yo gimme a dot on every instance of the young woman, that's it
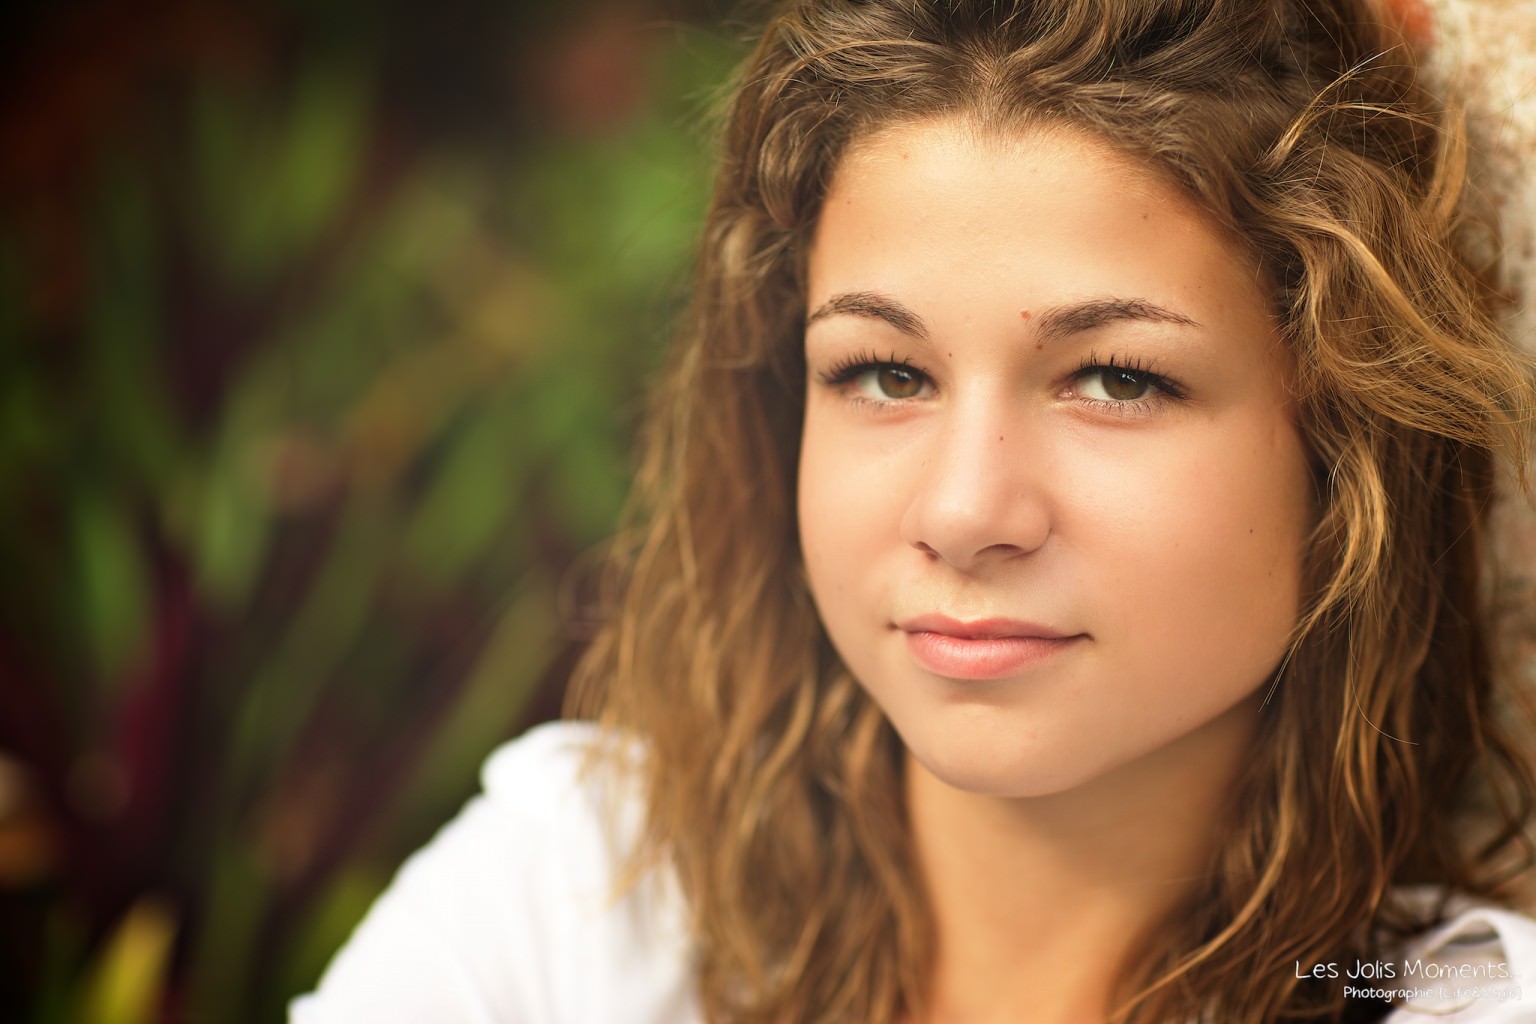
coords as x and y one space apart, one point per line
1058 588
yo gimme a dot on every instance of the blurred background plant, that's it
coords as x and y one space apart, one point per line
322 332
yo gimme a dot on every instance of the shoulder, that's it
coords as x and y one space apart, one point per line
513 912
1479 966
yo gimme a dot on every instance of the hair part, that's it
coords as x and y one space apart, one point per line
774 784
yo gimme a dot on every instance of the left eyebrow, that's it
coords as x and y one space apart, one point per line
1085 316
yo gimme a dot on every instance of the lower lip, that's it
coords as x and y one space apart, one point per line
955 657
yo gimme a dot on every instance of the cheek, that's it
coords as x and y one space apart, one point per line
851 493
1211 554
829 500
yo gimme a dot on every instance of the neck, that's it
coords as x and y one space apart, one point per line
1039 901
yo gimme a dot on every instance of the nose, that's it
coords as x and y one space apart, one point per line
980 495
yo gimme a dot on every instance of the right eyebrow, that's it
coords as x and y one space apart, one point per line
873 305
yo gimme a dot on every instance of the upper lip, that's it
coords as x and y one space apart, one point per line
980 629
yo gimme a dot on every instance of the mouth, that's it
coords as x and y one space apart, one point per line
982 648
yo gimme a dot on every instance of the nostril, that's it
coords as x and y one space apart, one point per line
1003 550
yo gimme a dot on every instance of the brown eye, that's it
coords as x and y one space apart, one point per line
882 381
1124 386
898 382
1114 384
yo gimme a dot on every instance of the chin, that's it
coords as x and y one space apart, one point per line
980 768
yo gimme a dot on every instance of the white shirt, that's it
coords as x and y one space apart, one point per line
508 917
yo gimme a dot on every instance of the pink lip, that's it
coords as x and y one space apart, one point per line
981 649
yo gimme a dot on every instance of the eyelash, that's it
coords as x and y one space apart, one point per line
1163 388
847 370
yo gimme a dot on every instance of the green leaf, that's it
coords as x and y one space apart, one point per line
327 922
328 621
272 177
232 524
125 410
525 638
112 582
124 985
471 498
234 902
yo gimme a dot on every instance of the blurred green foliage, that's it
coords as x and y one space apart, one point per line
310 400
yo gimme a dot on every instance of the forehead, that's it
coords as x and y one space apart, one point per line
951 210
958 133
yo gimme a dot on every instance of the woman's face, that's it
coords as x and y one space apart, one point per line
1052 496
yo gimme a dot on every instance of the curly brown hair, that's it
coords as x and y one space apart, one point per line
773 782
